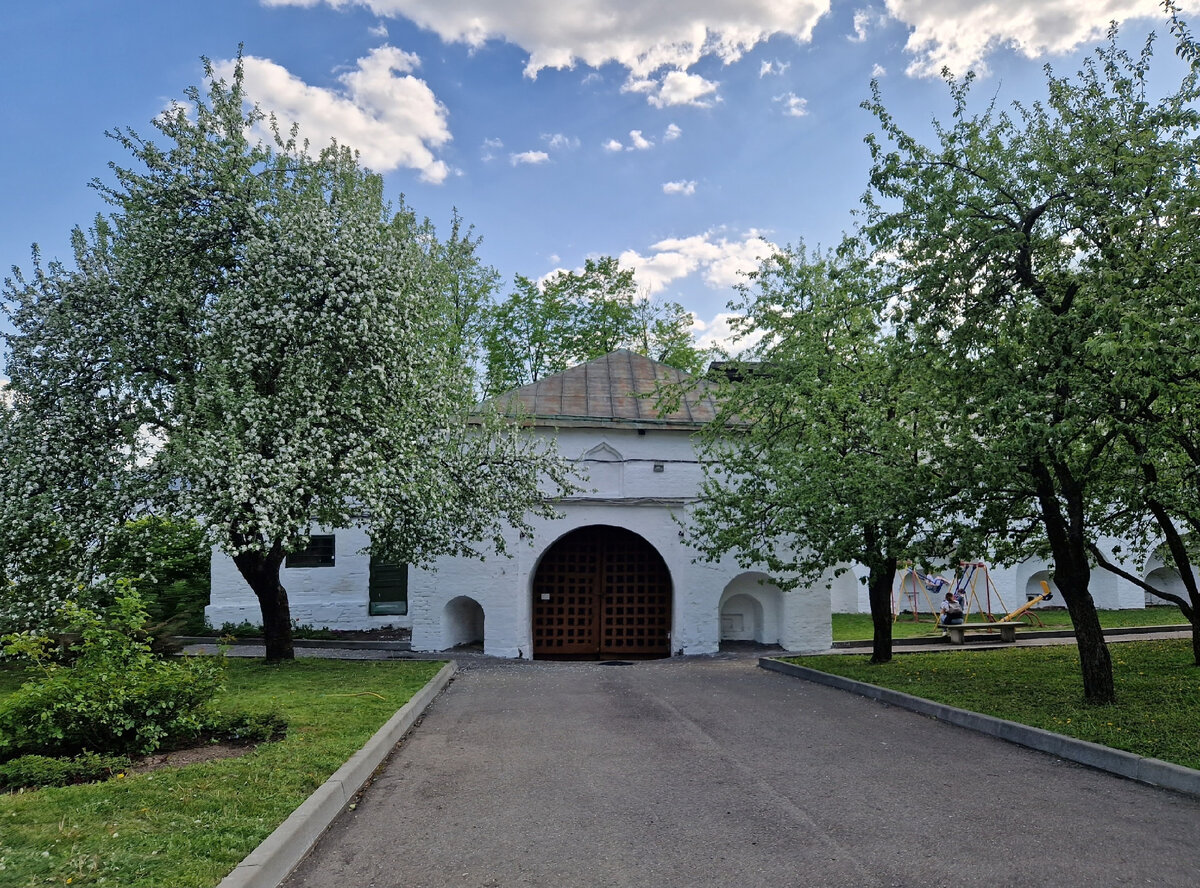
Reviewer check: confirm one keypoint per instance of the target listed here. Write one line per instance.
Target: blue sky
(684, 137)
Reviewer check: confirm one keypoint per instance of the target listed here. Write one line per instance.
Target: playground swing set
(971, 578)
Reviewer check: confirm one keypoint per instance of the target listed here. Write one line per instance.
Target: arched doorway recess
(601, 591)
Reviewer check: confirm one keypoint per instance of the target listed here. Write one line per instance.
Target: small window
(318, 553)
(387, 588)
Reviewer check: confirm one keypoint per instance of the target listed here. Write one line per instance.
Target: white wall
(321, 597)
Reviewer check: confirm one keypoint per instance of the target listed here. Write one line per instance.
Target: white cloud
(559, 142)
(379, 29)
(672, 133)
(772, 67)
(720, 260)
(613, 145)
(639, 142)
(877, 71)
(959, 34)
(686, 186)
(719, 334)
(641, 37)
(865, 21)
(389, 116)
(681, 88)
(532, 158)
(488, 151)
(793, 105)
(646, 38)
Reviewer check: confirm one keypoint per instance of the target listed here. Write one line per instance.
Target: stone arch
(1161, 573)
(847, 595)
(601, 591)
(462, 622)
(1033, 588)
(750, 609)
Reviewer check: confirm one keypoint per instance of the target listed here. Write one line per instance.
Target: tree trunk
(1072, 574)
(880, 580)
(261, 572)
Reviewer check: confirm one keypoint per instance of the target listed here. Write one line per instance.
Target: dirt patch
(386, 633)
(191, 755)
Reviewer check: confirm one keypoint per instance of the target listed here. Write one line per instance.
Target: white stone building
(610, 578)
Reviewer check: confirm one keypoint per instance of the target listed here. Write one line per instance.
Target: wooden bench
(1008, 631)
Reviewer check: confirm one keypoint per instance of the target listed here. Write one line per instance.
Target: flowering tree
(256, 340)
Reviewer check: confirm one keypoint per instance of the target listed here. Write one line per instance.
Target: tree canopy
(544, 327)
(816, 458)
(256, 340)
(1029, 251)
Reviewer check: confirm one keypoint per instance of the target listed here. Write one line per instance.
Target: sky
(688, 138)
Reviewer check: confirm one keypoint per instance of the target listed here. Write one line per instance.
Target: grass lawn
(190, 826)
(856, 627)
(1158, 691)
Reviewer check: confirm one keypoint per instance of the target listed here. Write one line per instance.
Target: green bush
(248, 727)
(168, 560)
(31, 771)
(116, 696)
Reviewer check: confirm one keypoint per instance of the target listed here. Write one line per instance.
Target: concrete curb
(313, 643)
(279, 853)
(1151, 771)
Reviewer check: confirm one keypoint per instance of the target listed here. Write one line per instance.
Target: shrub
(30, 771)
(168, 560)
(115, 697)
(248, 727)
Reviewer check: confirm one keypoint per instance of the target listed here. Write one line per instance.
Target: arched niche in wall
(462, 622)
(605, 469)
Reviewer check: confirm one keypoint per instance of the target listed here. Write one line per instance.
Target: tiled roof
(615, 390)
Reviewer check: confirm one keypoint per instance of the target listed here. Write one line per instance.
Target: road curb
(1151, 771)
(310, 643)
(279, 853)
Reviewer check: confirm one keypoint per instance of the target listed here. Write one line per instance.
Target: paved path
(712, 772)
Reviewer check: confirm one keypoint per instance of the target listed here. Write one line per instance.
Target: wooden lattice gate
(604, 592)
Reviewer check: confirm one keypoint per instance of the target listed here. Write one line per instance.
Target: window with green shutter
(387, 588)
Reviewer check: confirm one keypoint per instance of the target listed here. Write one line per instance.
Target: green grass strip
(1158, 691)
(857, 627)
(190, 826)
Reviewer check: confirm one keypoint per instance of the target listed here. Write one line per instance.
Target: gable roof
(613, 391)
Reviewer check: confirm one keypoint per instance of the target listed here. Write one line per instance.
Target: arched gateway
(601, 591)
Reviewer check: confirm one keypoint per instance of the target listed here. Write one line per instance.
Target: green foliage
(247, 727)
(817, 457)
(544, 327)
(115, 697)
(187, 827)
(168, 561)
(31, 771)
(1041, 261)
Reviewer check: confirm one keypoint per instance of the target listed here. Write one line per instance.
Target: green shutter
(387, 588)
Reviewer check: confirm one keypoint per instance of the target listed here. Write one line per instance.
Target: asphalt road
(712, 772)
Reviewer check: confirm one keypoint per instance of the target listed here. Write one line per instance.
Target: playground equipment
(971, 582)
(912, 580)
(1006, 627)
(1025, 608)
